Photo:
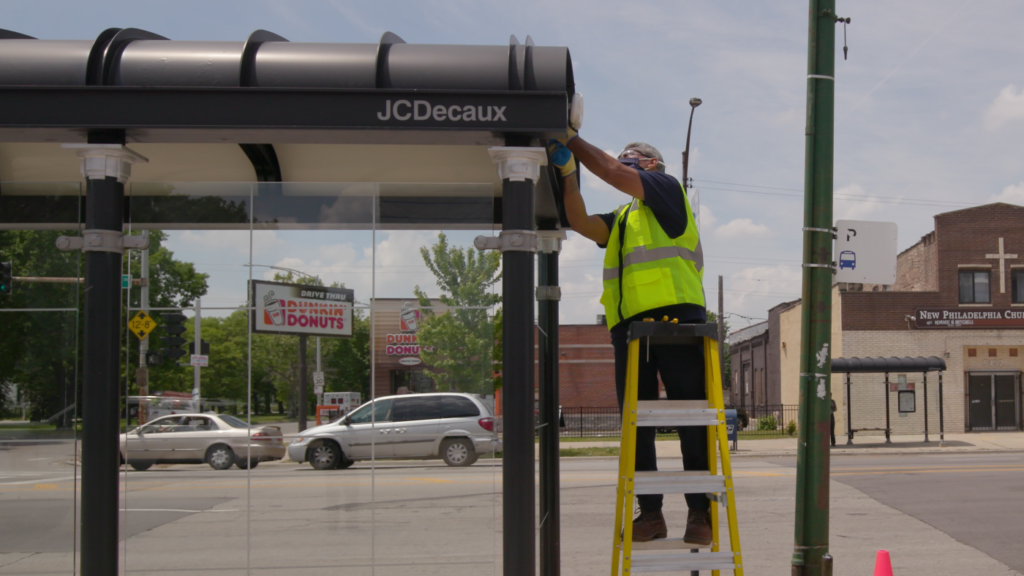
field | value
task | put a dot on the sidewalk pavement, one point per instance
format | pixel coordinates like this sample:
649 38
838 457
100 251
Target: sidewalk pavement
912 444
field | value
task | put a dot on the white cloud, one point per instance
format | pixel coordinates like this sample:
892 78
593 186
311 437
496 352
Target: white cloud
847 209
237 240
752 291
742 228
1012 194
1007 107
580 266
706 219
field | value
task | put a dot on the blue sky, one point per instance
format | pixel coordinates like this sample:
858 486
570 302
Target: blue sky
929 114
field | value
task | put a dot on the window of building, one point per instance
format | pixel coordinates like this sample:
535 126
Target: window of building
1017 286
1013 352
972 352
991 352
974 287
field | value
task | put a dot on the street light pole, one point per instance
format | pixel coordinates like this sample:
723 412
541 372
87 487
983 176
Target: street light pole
810 550
694 102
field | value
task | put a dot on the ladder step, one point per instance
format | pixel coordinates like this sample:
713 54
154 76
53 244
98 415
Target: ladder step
669 413
678 482
682 562
666 544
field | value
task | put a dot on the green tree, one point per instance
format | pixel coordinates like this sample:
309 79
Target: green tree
39 349
459 344
172 284
42 350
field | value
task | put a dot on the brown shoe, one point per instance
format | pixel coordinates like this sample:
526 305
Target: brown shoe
698 528
649 526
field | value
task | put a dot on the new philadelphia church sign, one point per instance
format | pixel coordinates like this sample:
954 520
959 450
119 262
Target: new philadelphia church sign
945 318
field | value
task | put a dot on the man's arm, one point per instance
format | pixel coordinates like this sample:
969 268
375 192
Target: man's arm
620 176
589 226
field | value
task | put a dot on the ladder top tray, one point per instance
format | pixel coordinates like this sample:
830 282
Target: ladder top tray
667 333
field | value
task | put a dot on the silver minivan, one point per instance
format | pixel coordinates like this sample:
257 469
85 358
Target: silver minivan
454 427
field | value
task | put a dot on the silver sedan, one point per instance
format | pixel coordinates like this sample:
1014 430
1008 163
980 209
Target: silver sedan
219 440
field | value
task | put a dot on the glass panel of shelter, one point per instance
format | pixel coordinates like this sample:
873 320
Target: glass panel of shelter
40 373
434 310
186 442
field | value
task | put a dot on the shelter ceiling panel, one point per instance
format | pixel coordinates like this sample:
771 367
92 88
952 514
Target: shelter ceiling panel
402 170
34 162
192 163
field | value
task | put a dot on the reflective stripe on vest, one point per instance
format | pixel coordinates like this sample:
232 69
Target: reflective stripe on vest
656 270
645 254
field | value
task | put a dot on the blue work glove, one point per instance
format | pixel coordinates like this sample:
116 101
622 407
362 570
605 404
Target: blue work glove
562 158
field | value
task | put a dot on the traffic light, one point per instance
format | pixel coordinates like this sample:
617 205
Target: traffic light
205 348
6 278
173 326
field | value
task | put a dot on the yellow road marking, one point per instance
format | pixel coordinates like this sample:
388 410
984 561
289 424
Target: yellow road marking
44 487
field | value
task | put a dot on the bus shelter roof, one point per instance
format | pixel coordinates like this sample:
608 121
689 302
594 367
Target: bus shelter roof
406 124
891 364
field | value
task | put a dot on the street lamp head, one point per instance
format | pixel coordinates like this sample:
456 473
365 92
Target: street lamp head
696 102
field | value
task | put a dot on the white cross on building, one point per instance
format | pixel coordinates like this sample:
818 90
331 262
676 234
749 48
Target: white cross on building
1002 257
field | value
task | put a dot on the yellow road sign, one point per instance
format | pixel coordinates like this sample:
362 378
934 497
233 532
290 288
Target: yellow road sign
141 325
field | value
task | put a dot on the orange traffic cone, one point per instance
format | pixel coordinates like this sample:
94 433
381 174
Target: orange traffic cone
883 567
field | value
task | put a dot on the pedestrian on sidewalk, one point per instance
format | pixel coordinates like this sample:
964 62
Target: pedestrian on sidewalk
833 421
653 268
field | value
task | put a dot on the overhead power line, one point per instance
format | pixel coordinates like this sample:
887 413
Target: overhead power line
841 196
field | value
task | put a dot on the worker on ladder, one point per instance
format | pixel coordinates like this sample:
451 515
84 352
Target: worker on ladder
653 268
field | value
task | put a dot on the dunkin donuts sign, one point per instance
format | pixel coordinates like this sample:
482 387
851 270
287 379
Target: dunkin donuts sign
299 309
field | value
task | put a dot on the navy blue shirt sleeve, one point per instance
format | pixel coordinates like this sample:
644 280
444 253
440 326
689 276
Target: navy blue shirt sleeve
664 196
609 221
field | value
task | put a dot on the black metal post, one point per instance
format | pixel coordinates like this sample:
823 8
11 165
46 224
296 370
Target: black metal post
303 393
887 440
100 394
517 470
849 412
925 406
547 321
942 426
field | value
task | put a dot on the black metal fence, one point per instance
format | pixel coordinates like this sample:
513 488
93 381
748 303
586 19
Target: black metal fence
590 422
768 420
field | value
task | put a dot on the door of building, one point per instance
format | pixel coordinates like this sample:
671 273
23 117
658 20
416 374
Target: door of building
994 401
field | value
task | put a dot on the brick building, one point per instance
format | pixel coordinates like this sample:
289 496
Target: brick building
586 366
586 370
753 384
958 295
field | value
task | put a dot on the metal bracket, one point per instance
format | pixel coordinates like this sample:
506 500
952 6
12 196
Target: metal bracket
102 241
508 241
519 164
550 241
101 161
831 231
549 293
831 266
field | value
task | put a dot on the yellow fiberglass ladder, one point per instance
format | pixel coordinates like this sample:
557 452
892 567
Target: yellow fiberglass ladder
672 554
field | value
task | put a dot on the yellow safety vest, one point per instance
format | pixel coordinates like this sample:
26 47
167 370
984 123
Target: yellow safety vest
644 269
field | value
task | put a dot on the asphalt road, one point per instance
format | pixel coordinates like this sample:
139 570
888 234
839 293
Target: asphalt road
424 518
978 499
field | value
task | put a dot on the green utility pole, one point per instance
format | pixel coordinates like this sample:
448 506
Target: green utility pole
810 550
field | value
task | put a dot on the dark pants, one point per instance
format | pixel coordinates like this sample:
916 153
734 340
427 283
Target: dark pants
682 370
832 427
